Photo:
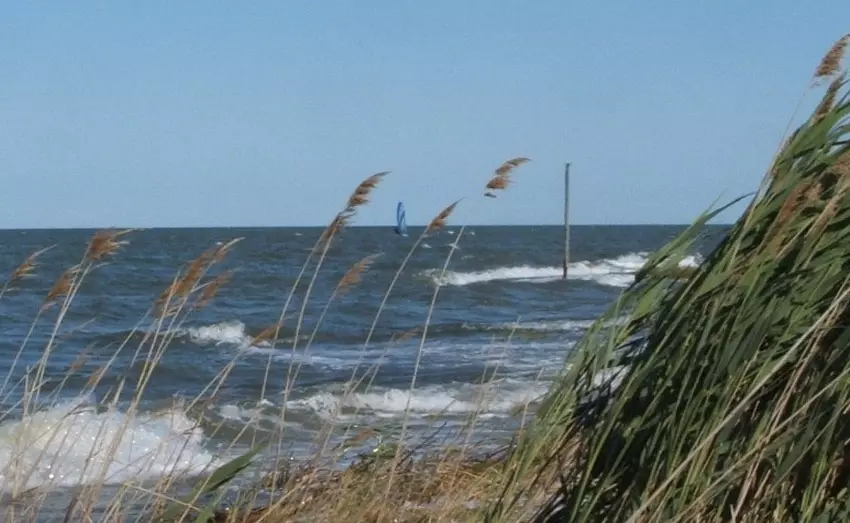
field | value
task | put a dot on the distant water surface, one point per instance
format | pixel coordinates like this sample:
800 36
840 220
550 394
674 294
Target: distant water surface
502 311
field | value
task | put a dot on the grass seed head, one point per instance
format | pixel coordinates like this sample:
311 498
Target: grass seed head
440 220
212 288
96 376
105 243
80 360
354 274
61 287
829 212
501 177
510 165
333 229
841 167
831 62
828 102
28 266
360 196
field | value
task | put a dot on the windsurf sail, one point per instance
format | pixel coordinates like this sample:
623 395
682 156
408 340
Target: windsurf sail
401 220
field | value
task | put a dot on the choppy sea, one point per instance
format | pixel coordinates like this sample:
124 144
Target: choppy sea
502 324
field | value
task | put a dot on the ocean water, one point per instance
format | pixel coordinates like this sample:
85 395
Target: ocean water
503 323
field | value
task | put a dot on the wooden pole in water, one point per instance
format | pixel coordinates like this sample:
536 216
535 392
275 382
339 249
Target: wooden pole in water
566 218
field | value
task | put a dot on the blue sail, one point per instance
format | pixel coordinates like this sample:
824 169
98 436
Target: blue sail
401 220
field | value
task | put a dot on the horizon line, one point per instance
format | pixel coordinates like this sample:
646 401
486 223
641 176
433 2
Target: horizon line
204 227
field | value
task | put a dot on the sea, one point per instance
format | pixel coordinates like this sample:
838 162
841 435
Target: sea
501 325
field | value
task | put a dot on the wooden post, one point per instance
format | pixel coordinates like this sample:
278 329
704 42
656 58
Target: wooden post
566 218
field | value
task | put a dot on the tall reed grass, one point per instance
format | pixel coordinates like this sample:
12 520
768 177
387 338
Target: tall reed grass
727 391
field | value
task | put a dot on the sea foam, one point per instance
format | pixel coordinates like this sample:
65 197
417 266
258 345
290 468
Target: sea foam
71 444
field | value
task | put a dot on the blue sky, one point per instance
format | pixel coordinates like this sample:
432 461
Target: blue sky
269 113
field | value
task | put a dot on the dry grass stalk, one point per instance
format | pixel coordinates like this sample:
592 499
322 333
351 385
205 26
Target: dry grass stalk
267 334
791 204
829 211
80 360
360 437
28 266
61 287
96 376
501 177
361 193
105 243
440 220
841 167
339 222
828 101
831 62
510 165
359 197
212 288
186 284
354 275
406 335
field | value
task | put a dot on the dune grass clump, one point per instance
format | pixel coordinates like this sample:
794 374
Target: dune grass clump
725 396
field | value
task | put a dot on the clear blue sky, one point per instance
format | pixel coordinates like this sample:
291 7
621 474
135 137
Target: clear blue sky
269 113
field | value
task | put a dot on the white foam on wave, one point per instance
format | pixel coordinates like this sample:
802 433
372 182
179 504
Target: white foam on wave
542 326
489 400
614 272
226 332
71 444
283 353
253 414
231 332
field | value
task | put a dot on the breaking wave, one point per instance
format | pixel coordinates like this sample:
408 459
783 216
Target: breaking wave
492 400
614 272
71 444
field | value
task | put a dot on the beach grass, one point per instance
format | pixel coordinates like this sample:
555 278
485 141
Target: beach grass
714 394
729 389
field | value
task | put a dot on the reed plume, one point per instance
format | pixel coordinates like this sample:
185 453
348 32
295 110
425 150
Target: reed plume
354 275
501 176
440 220
96 376
183 286
828 101
80 360
831 62
359 197
28 266
841 167
105 243
212 288
23 270
61 287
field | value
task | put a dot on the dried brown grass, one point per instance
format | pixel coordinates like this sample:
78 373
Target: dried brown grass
358 198
27 267
354 275
831 62
828 101
439 221
501 179
105 243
